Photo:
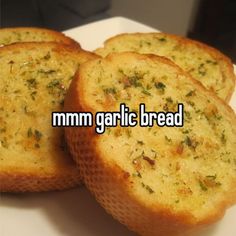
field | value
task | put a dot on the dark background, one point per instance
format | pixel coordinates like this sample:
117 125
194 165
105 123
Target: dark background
55 14
213 23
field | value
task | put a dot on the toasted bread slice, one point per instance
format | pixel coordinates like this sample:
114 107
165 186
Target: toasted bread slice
32 34
206 64
156 180
34 78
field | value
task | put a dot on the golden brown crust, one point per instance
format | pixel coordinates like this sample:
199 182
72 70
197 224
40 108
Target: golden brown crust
60 48
112 186
56 36
28 45
216 54
22 182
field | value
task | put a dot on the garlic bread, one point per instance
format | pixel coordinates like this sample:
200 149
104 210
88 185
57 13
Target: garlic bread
155 180
34 78
33 34
204 63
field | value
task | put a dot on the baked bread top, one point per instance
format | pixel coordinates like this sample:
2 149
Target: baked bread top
34 78
33 34
206 64
156 180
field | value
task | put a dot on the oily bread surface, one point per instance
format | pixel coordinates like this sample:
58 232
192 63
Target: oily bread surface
33 34
34 80
204 63
157 181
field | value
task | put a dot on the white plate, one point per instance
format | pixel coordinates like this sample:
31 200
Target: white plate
92 36
75 212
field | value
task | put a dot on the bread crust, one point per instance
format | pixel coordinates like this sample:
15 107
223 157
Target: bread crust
63 173
57 47
55 35
25 182
223 60
112 186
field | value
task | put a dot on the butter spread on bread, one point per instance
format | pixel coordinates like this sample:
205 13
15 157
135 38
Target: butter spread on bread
34 78
155 180
33 34
204 63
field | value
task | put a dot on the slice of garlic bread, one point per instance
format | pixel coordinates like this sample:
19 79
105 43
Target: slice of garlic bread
206 64
34 78
32 34
156 180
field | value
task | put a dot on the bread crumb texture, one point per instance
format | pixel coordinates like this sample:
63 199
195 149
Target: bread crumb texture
156 180
32 34
34 80
206 64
